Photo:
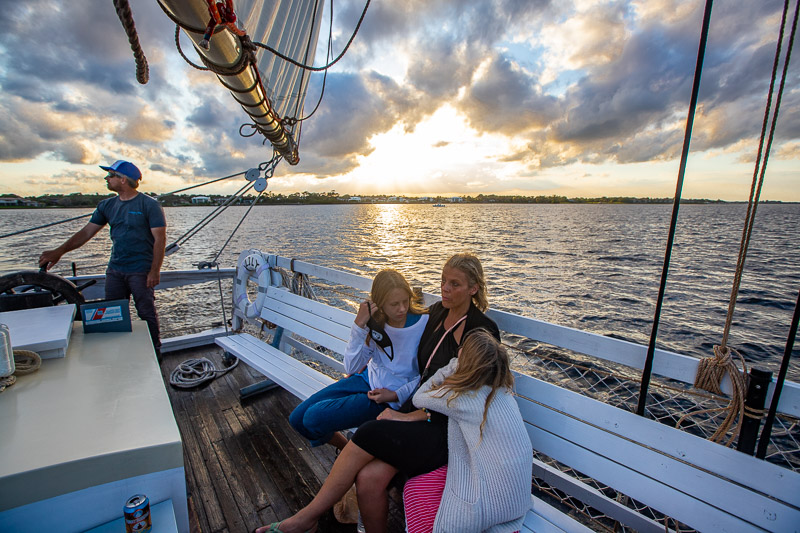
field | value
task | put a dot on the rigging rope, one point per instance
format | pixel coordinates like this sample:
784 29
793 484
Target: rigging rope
126 18
299 101
324 67
180 50
711 370
90 214
26 362
758 177
324 79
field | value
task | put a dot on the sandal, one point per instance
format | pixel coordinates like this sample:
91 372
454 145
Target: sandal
275 528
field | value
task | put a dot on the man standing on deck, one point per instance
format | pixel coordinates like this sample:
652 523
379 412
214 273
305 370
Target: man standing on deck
138 234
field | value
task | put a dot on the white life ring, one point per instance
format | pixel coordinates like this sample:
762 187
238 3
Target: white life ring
256 265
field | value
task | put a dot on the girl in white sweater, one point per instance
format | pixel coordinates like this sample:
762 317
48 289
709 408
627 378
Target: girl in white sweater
488 476
381 359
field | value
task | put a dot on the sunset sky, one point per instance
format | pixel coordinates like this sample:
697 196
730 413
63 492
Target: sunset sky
534 97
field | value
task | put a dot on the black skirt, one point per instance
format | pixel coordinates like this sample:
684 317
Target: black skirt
413 448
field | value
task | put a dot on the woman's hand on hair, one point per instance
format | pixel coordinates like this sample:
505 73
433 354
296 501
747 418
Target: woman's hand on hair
382 396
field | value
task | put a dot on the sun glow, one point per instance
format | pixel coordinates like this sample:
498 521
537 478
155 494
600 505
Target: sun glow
438 157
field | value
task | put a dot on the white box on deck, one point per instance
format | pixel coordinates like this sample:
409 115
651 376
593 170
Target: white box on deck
44 330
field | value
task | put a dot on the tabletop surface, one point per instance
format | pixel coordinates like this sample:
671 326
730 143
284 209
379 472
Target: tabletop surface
98 415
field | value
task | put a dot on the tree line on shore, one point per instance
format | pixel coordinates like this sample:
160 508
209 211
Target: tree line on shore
332 197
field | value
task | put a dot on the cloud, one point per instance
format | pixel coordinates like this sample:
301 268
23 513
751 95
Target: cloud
507 100
356 107
145 127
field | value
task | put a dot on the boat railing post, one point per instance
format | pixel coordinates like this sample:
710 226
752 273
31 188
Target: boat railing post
756 397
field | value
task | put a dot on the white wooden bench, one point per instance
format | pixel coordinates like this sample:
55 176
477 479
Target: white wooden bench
699 483
319 324
696 482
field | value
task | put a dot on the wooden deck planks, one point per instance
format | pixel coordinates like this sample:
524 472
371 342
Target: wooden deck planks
245 465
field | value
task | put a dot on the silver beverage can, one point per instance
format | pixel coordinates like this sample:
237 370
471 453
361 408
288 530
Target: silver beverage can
137 514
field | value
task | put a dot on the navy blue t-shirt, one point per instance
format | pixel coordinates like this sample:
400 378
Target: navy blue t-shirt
130 222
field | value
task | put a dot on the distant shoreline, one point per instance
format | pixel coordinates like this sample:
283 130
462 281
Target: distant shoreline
91 200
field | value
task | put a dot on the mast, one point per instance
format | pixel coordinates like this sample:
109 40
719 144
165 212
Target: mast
270 90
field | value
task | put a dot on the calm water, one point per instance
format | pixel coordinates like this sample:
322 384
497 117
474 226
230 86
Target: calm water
592 267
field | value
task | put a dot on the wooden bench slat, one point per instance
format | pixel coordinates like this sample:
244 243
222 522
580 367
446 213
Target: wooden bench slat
594 498
311 333
314 354
318 309
329 327
719 460
544 518
668 364
289 364
336 276
535 523
262 360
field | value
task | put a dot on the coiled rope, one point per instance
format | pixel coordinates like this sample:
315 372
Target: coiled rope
710 371
25 362
194 372
126 18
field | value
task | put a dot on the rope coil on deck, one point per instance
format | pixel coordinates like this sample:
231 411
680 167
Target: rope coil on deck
26 362
194 372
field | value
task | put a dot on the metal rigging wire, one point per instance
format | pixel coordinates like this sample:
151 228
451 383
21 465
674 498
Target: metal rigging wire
214 261
208 218
201 184
648 363
268 167
44 226
90 214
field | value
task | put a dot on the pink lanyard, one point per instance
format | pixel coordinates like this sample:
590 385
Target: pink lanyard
454 326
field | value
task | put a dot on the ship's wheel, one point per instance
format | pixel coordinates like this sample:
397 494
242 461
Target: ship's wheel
30 288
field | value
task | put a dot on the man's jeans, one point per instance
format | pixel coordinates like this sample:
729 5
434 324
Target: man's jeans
121 285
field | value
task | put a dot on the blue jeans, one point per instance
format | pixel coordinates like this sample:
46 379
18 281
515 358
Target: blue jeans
341 405
121 285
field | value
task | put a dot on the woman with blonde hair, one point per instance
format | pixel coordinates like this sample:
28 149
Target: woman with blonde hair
408 440
381 359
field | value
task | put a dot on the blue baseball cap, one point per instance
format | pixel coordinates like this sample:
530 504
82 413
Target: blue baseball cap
125 168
